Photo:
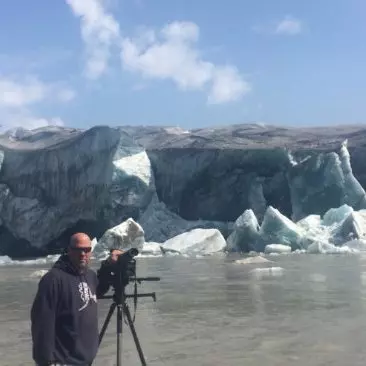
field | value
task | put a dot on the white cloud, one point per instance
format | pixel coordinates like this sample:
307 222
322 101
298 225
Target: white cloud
99 31
289 26
25 119
175 57
227 85
21 92
14 94
18 95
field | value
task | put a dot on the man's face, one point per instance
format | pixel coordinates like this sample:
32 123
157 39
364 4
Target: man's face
80 252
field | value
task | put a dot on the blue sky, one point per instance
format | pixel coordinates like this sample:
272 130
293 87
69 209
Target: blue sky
184 63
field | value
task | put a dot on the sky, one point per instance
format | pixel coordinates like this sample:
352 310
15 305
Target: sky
186 63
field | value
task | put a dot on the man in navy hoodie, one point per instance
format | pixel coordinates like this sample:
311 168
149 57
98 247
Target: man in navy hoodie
64 312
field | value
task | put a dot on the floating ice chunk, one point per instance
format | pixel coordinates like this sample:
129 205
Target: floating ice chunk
94 243
315 232
299 251
38 274
309 222
277 228
356 245
245 233
353 227
197 242
252 260
166 251
277 248
4 260
128 234
267 272
321 248
52 258
151 248
327 248
336 215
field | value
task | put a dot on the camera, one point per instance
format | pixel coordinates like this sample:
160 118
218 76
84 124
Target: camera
117 274
125 268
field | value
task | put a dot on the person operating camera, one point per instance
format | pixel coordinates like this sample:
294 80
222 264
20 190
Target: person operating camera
64 321
105 273
64 313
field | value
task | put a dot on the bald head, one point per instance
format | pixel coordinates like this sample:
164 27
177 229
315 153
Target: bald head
79 250
79 238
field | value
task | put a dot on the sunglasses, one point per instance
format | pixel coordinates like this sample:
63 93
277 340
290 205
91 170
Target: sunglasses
85 250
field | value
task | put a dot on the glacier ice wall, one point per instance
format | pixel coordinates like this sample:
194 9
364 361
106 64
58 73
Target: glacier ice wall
48 184
161 224
217 185
56 180
323 181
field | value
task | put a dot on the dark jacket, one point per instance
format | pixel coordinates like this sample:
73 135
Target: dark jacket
64 316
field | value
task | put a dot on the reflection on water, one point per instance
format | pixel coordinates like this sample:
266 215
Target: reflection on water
213 312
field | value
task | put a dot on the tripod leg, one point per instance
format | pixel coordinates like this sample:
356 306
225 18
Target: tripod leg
106 322
119 335
126 310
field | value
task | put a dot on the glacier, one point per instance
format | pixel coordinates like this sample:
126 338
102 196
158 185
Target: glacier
58 180
250 187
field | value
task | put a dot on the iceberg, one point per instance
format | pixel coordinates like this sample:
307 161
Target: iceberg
340 230
335 216
245 233
38 274
355 245
197 242
327 248
277 249
260 273
353 227
252 260
277 228
151 249
128 234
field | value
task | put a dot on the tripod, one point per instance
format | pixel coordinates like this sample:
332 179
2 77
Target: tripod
119 302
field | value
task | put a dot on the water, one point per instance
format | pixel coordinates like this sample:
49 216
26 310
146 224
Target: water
212 312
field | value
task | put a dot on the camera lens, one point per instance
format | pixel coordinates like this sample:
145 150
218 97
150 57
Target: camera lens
133 252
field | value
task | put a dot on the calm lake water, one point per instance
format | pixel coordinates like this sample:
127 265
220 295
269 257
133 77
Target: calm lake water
213 312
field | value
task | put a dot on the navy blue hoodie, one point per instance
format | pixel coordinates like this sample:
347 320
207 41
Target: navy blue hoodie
64 316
